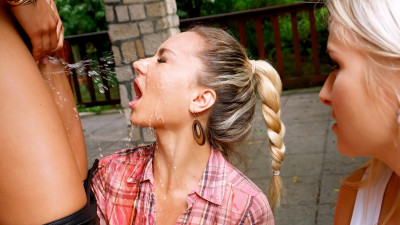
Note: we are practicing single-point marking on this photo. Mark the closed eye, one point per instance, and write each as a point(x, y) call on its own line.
point(161, 60)
point(334, 66)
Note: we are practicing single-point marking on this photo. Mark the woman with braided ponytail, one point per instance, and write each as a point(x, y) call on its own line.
point(199, 92)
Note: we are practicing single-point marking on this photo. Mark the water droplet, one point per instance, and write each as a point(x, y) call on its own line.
point(102, 90)
point(92, 73)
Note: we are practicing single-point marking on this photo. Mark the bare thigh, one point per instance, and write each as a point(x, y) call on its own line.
point(40, 181)
point(53, 72)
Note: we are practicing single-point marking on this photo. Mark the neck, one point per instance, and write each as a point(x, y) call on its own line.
point(391, 157)
point(179, 161)
point(393, 163)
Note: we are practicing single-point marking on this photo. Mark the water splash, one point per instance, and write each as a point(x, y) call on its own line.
point(100, 72)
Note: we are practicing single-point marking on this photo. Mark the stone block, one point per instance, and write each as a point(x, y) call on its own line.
point(146, 27)
point(167, 22)
point(156, 9)
point(122, 13)
point(111, 1)
point(129, 51)
point(170, 6)
point(149, 135)
point(124, 73)
point(133, 131)
point(137, 12)
point(151, 43)
point(172, 31)
point(109, 13)
point(136, 1)
point(116, 55)
point(139, 48)
point(127, 113)
point(123, 31)
point(124, 94)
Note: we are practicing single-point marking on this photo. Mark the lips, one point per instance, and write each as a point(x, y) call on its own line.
point(138, 94)
point(333, 115)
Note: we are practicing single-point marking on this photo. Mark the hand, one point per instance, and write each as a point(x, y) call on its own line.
point(43, 26)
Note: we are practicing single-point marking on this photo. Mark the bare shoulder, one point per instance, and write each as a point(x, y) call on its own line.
point(390, 206)
point(346, 198)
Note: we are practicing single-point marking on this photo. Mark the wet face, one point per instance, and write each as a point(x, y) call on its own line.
point(164, 83)
point(364, 124)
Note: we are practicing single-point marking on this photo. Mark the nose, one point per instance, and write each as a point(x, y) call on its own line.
point(326, 92)
point(141, 67)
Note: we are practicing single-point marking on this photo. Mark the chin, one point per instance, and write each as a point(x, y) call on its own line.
point(139, 122)
point(133, 118)
point(348, 151)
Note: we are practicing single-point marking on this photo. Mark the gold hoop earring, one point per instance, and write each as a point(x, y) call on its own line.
point(198, 131)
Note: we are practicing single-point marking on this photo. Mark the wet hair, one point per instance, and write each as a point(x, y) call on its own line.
point(373, 28)
point(229, 72)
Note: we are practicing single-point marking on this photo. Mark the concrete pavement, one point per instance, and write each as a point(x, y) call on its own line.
point(311, 171)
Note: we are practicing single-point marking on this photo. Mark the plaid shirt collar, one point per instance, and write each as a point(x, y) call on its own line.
point(212, 183)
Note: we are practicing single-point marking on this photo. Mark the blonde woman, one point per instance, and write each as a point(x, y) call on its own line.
point(199, 93)
point(363, 90)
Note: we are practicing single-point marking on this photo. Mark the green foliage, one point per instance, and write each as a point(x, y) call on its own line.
point(196, 8)
point(98, 109)
point(83, 16)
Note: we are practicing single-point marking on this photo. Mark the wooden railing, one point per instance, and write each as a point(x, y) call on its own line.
point(244, 24)
point(240, 21)
point(93, 71)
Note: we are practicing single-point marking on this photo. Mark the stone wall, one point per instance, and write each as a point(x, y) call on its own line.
point(136, 29)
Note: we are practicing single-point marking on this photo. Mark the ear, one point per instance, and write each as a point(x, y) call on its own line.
point(202, 100)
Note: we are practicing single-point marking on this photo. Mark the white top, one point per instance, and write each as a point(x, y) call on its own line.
point(369, 200)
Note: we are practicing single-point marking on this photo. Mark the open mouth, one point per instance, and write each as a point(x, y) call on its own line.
point(137, 89)
point(138, 94)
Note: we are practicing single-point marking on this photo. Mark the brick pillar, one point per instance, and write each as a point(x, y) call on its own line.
point(136, 29)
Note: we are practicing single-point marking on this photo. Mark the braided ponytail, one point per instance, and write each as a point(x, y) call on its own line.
point(269, 88)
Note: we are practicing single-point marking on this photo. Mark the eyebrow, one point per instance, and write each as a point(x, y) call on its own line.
point(161, 51)
point(329, 50)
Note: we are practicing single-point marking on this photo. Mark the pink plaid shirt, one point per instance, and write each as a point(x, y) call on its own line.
point(123, 186)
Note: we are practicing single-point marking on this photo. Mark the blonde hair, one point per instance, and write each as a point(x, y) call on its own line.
point(235, 80)
point(372, 27)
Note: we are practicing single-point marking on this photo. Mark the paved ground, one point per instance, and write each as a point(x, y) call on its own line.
point(311, 171)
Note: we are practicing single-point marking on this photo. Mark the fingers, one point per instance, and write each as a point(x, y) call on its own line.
point(43, 25)
point(52, 39)
point(46, 44)
point(54, 8)
point(61, 39)
point(56, 33)
point(37, 47)
point(53, 36)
